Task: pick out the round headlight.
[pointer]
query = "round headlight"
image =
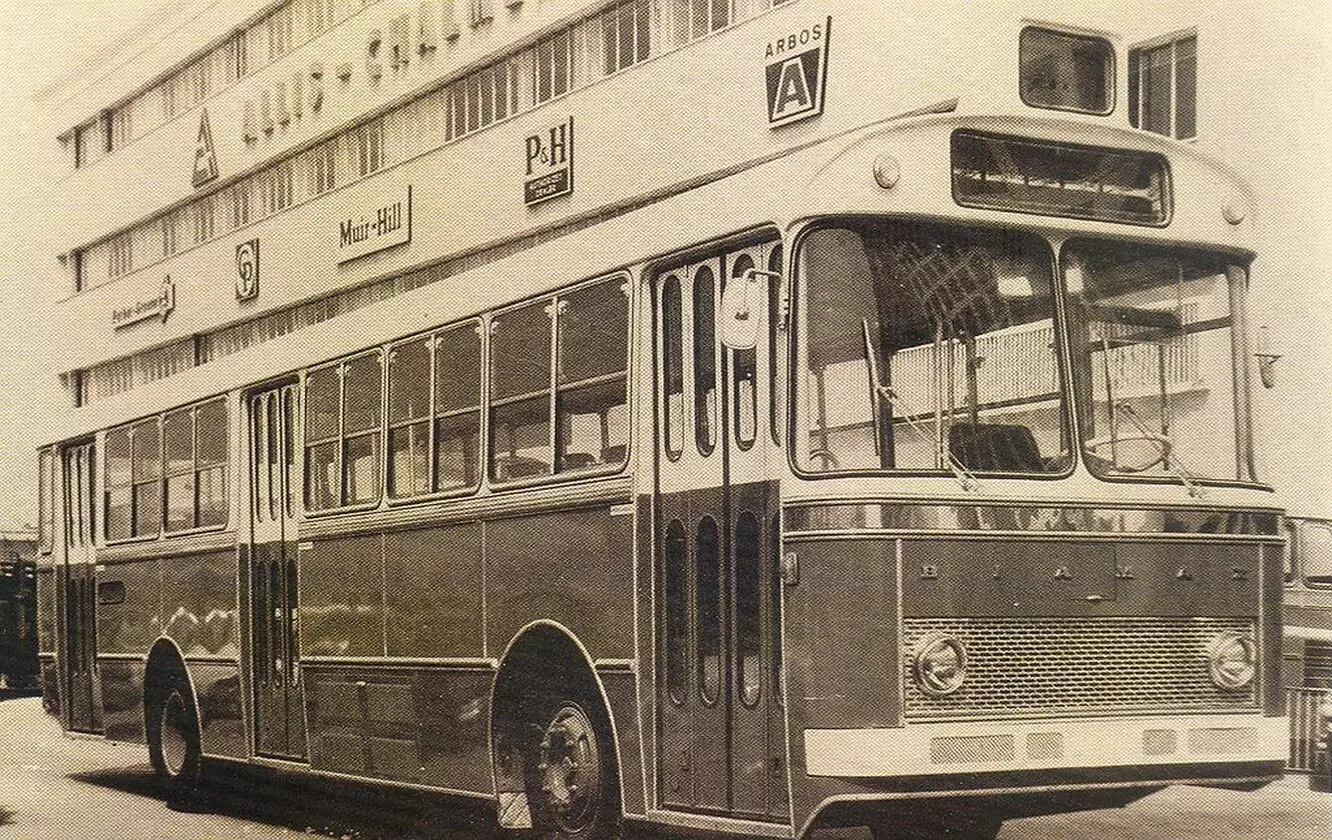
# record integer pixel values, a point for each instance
(1232, 660)
(940, 665)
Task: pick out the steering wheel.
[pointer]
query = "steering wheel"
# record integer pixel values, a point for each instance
(830, 461)
(1163, 443)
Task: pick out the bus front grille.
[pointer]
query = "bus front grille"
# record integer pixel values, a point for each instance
(1019, 667)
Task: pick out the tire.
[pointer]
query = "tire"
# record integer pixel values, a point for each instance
(174, 744)
(571, 777)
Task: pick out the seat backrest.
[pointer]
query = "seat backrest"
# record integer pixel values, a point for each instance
(995, 447)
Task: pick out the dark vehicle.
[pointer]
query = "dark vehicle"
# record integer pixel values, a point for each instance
(18, 614)
(1307, 642)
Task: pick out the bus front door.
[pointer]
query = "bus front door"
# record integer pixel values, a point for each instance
(720, 747)
(271, 576)
(83, 707)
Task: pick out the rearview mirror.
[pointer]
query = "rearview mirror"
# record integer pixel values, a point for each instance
(741, 303)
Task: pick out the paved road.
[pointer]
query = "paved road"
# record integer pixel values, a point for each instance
(54, 788)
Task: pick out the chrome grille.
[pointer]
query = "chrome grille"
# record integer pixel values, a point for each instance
(1030, 666)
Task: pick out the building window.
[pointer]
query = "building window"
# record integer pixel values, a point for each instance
(1066, 72)
(240, 204)
(132, 498)
(201, 220)
(1163, 88)
(200, 79)
(553, 67)
(342, 432)
(195, 466)
(367, 147)
(323, 167)
(76, 265)
(121, 260)
(170, 224)
(278, 31)
(318, 16)
(625, 35)
(480, 11)
(276, 186)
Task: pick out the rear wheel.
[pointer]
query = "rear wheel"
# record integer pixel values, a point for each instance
(174, 743)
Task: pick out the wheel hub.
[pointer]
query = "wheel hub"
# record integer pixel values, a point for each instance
(570, 768)
(174, 746)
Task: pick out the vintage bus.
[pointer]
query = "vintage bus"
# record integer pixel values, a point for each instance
(1307, 664)
(853, 432)
(18, 612)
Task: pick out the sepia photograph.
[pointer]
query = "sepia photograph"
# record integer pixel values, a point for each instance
(614, 419)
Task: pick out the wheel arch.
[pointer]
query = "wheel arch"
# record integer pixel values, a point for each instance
(535, 642)
(165, 661)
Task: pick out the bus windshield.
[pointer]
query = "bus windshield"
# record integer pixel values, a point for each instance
(1154, 359)
(930, 348)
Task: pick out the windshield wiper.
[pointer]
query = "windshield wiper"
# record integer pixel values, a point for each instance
(880, 391)
(1169, 459)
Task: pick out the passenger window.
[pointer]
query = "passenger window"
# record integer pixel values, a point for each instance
(409, 419)
(708, 609)
(672, 367)
(195, 456)
(520, 395)
(705, 360)
(362, 393)
(748, 609)
(178, 435)
(593, 428)
(322, 427)
(147, 472)
(457, 407)
(342, 432)
(744, 389)
(1317, 560)
(677, 612)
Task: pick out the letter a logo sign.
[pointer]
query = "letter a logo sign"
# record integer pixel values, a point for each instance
(205, 159)
(796, 74)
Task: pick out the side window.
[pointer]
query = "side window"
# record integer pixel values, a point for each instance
(458, 407)
(195, 466)
(322, 430)
(409, 418)
(520, 392)
(593, 342)
(586, 389)
(45, 500)
(147, 474)
(744, 372)
(672, 367)
(362, 393)
(705, 360)
(117, 485)
(342, 432)
(1316, 546)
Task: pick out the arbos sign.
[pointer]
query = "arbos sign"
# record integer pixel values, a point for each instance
(795, 71)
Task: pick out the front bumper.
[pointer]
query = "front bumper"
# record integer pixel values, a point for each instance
(1031, 745)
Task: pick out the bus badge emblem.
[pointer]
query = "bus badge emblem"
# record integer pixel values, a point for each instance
(795, 71)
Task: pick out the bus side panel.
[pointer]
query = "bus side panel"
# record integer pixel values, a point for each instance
(574, 568)
(217, 687)
(841, 619)
(426, 726)
(199, 603)
(433, 591)
(342, 597)
(122, 699)
(621, 689)
(129, 607)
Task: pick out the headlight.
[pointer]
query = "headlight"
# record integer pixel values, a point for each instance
(1231, 660)
(940, 665)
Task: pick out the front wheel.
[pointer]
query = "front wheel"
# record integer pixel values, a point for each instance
(572, 783)
(174, 744)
